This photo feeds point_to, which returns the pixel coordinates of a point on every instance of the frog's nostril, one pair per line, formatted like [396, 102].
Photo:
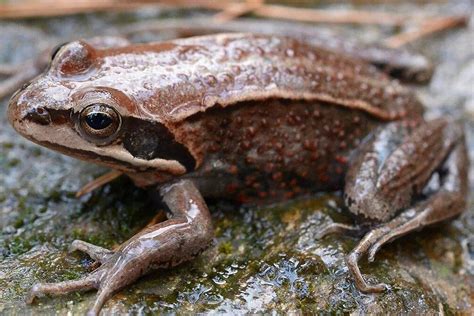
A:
[39, 115]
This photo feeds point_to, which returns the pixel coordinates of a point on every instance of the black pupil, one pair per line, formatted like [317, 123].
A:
[98, 120]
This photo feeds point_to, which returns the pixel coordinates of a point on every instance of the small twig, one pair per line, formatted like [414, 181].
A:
[433, 25]
[9, 70]
[25, 72]
[236, 10]
[97, 183]
[327, 16]
[207, 4]
[231, 9]
[47, 8]
[58, 8]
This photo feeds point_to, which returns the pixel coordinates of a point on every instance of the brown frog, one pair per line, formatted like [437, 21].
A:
[243, 117]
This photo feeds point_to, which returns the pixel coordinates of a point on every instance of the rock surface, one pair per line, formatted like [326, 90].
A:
[264, 259]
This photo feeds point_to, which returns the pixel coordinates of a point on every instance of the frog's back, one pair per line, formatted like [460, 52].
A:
[175, 80]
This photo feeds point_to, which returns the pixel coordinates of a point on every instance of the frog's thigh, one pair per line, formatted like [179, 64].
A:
[448, 201]
[393, 167]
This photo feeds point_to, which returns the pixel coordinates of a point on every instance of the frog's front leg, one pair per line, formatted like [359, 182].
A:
[390, 173]
[183, 236]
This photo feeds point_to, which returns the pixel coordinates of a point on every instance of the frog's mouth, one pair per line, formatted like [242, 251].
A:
[53, 129]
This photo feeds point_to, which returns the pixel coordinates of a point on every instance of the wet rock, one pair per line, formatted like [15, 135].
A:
[263, 259]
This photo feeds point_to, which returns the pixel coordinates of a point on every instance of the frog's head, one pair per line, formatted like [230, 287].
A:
[78, 107]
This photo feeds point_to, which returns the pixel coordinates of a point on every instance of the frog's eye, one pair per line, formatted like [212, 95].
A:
[100, 122]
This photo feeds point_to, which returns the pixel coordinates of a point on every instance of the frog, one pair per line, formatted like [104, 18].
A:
[250, 118]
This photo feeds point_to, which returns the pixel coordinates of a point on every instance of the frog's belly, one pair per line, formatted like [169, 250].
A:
[280, 148]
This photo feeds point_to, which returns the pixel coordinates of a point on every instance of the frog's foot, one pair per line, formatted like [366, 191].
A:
[339, 228]
[84, 284]
[435, 149]
[97, 253]
[180, 238]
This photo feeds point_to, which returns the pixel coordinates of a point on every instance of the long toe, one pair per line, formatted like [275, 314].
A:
[35, 292]
[381, 287]
[337, 228]
[40, 289]
[374, 249]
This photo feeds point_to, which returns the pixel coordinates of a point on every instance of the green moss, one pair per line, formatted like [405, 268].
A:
[18, 245]
[19, 223]
[226, 248]
[7, 145]
[13, 163]
[36, 152]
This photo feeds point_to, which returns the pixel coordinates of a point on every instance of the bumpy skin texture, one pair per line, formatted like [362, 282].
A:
[246, 117]
[399, 63]
[273, 150]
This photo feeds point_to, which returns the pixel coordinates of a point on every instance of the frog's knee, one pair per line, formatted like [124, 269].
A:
[368, 205]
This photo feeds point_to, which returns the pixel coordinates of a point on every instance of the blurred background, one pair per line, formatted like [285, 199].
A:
[263, 259]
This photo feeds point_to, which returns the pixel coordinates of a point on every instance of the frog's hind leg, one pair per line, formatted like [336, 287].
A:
[448, 202]
[391, 171]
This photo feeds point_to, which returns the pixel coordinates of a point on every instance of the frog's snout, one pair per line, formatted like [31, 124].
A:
[13, 111]
[21, 114]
